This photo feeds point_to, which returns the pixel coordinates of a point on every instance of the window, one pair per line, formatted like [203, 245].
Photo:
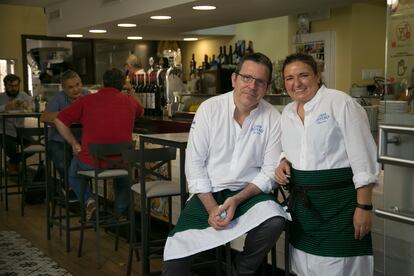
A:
[7, 66]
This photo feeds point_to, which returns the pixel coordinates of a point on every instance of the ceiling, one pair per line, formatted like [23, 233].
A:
[78, 16]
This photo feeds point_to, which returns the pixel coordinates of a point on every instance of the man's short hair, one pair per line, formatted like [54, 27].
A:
[67, 75]
[257, 58]
[134, 61]
[114, 78]
[10, 78]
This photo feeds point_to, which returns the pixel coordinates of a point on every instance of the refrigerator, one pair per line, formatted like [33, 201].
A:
[396, 144]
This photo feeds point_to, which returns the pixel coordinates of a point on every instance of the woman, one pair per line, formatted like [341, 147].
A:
[330, 168]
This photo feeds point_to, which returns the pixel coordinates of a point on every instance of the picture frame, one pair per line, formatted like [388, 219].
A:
[322, 47]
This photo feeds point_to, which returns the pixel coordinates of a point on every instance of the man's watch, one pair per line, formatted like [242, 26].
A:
[367, 207]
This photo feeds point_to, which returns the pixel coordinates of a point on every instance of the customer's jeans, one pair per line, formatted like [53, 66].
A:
[55, 152]
[121, 185]
[10, 148]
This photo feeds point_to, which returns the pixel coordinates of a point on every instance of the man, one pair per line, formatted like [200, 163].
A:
[72, 90]
[12, 101]
[233, 148]
[106, 117]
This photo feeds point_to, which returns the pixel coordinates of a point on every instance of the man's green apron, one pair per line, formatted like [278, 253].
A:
[195, 216]
[322, 205]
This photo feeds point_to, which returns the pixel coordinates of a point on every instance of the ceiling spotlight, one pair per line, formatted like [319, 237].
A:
[134, 37]
[160, 17]
[127, 25]
[97, 31]
[204, 8]
[74, 35]
[190, 39]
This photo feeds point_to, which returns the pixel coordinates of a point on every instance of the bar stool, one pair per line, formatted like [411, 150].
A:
[114, 167]
[37, 146]
[60, 208]
[148, 161]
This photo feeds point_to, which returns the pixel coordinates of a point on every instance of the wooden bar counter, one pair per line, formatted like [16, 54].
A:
[181, 122]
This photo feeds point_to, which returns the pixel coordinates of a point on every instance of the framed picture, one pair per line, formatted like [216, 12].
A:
[322, 47]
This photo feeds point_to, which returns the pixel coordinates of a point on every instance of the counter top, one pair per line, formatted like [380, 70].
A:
[162, 124]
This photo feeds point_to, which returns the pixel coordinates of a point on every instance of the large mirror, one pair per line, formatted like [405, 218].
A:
[46, 58]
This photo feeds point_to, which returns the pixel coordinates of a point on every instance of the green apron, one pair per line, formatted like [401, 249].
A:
[195, 216]
[322, 206]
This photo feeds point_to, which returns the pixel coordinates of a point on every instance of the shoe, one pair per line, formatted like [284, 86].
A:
[13, 168]
[72, 197]
[90, 209]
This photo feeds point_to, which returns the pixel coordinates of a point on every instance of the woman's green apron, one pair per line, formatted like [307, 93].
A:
[322, 206]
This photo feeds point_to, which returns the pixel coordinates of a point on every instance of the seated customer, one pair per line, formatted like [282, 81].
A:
[13, 100]
[72, 90]
[107, 117]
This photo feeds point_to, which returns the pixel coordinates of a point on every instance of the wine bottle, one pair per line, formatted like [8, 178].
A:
[213, 61]
[249, 49]
[235, 54]
[220, 56]
[224, 58]
[206, 63]
[193, 64]
[230, 61]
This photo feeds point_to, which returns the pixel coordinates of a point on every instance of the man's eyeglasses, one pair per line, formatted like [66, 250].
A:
[250, 79]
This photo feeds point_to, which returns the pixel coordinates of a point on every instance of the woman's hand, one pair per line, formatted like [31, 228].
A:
[362, 223]
[282, 172]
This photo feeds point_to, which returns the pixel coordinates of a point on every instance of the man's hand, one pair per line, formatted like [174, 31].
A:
[76, 148]
[16, 104]
[282, 172]
[12, 105]
[362, 223]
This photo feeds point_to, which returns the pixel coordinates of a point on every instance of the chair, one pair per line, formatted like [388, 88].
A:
[59, 206]
[37, 146]
[115, 167]
[148, 161]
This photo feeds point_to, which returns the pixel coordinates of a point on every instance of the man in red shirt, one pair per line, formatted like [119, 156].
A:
[106, 117]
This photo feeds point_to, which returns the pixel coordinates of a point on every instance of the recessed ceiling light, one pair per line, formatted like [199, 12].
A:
[134, 37]
[190, 39]
[204, 8]
[97, 31]
[160, 17]
[127, 25]
[74, 35]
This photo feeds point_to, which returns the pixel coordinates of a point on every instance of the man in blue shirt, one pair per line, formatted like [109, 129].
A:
[72, 90]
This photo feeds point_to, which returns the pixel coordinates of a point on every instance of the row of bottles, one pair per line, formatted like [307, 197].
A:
[224, 59]
[149, 93]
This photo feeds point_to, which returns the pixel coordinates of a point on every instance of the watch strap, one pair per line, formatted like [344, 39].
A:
[364, 206]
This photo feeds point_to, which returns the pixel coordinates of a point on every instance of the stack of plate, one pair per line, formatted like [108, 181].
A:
[391, 107]
[372, 112]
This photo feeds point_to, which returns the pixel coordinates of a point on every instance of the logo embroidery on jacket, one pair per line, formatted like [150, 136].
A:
[257, 129]
[322, 118]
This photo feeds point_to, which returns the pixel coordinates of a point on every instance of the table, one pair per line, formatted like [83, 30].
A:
[3, 161]
[175, 140]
